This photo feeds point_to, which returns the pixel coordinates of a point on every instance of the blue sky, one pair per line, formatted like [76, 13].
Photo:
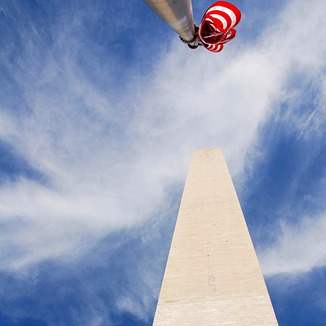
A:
[100, 108]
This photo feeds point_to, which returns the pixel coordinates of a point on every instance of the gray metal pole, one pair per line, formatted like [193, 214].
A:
[177, 13]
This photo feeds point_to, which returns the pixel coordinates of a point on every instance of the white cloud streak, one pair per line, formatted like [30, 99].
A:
[299, 249]
[110, 161]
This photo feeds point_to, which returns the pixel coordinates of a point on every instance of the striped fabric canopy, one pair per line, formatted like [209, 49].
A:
[217, 25]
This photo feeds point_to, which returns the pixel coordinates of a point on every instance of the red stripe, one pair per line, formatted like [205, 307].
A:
[230, 6]
[212, 33]
[220, 13]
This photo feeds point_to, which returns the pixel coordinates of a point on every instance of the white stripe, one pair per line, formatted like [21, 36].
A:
[228, 11]
[214, 47]
[210, 36]
[221, 19]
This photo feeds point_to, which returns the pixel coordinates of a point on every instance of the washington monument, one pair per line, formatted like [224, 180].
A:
[212, 276]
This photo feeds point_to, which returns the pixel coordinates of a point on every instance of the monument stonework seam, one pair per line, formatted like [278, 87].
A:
[212, 276]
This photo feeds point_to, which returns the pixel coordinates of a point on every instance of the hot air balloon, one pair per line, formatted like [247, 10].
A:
[216, 27]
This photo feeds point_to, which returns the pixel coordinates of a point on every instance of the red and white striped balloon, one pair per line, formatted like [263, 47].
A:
[216, 27]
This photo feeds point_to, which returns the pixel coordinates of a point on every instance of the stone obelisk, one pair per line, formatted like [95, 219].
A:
[212, 276]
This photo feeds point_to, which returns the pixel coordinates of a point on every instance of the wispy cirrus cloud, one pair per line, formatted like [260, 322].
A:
[98, 151]
[110, 139]
[299, 248]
